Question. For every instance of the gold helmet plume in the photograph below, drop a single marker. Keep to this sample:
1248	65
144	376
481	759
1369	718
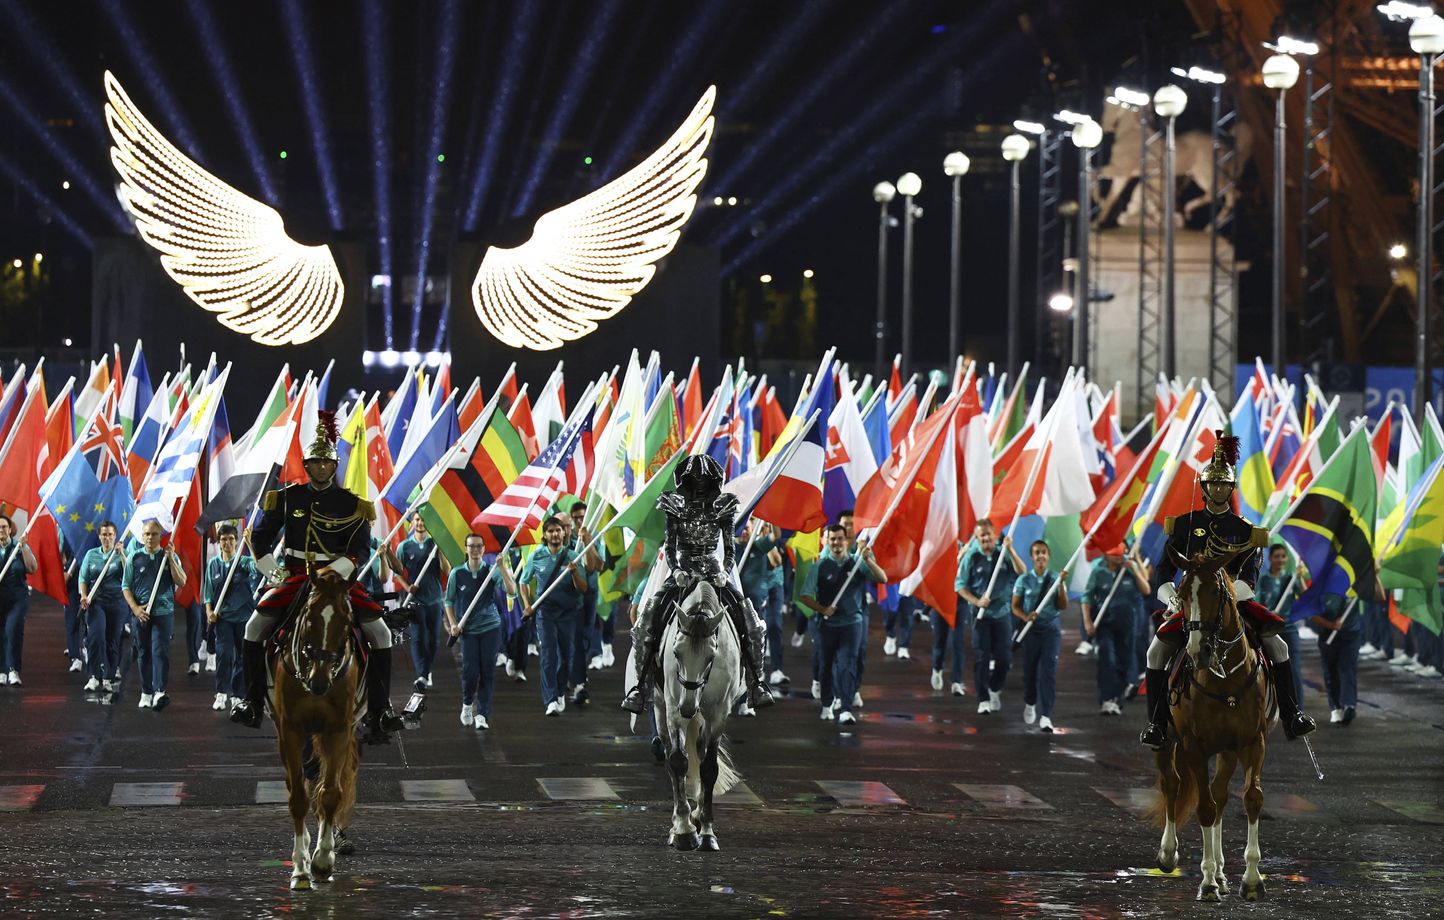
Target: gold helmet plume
323	445
1225	456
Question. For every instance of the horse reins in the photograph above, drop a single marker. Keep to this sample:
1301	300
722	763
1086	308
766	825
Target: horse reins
1212	647
340	659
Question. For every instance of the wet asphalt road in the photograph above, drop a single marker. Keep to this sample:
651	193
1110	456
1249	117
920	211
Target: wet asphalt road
922	809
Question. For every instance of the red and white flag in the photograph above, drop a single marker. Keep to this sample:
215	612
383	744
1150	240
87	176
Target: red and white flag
565	467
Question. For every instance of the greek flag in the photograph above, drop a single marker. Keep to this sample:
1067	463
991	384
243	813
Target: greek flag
170	477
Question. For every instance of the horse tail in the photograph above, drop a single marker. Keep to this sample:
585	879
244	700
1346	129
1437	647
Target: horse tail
1157	810
1186	801
728	776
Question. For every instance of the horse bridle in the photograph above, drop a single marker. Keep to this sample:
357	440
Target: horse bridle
1215	648
689	625
298	652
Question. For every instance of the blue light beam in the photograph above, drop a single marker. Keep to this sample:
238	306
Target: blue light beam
784	44
378	99
48	55
447	32
518	49
12	169
178	127
298	37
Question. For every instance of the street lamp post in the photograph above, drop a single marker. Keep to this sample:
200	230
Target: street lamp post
1086	135
908	185
1015	150
1169	102
955	165
882	193
1279	72
1426	37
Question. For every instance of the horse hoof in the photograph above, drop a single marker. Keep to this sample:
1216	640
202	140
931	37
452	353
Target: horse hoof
1208	892
710	845
1223	886
1167	862
322	875
300	883
686	842
1254	892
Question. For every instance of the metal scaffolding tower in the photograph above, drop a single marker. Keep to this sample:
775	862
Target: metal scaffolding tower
1316	194
1050	239
1150	261
1223	268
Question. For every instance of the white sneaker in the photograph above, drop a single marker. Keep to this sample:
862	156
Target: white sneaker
203	653
108	685
76	664
220	702
195	668
745	711
1431	671
846	718
553	708
1417	667
481	722
1400	660
857	700
1084	648
817	689
959	689
1045	724
1367	649
4	678
1336	715
428	680
212	664
595	664
889	647
532	650
92	685
468	714
1114	709
777	677
1307	633
561	704
146	700
1030	714
609	657
14	678
985	708
903	654
1103	709
995	700
937	680
797	640
827	713
502	661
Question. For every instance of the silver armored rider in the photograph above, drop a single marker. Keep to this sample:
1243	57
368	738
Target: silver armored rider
700	520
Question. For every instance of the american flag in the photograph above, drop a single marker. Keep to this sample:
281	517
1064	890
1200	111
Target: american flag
565	467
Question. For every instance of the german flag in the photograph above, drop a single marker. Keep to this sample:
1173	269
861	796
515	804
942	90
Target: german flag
488	458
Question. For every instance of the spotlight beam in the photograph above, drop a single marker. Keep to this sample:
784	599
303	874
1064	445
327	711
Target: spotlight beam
45	52
103	198
204	22
440	98
784	43
884	25
378	99
518	50
17	175
881	110
298	38
598	34
138	50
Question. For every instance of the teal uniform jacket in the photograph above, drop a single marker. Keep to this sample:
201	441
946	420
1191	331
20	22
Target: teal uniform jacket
1127	600
104	578
1334	607
755	573
13	584
140	571
240	597
541	569
413	556
1268	589
974	572
371	578
1029	587
825	579
461	588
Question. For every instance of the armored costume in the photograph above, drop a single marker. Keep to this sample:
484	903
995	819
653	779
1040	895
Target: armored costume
1215	530
700	519
326	527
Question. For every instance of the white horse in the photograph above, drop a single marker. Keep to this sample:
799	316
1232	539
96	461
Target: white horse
701	660
1193	160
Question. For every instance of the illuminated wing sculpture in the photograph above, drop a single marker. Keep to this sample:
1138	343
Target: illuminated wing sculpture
586	260
228	252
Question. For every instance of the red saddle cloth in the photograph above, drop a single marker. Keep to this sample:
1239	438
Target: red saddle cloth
280	597
1263	620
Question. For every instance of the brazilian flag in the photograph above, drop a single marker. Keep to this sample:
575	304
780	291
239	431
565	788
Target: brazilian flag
1331	526
1411	537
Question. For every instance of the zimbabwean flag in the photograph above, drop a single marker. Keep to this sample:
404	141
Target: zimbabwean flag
1331	526
488	458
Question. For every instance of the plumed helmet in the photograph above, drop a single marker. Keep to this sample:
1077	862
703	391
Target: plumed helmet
698	473
323	445
1225	455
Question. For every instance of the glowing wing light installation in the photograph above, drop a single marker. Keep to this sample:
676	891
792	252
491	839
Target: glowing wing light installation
586	260
228	252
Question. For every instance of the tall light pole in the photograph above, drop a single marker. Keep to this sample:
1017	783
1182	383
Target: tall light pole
1086	136
882	193
908	185
1169	102
955	165
1015	150
1279	72
1426	37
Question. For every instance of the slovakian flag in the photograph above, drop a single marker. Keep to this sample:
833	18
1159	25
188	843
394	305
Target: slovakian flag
849	463
565	467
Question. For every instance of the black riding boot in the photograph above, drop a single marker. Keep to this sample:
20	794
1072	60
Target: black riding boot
1156	734
1296	723
759	695
639	697
380	719
253	663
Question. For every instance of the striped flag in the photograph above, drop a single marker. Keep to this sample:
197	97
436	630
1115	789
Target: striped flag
175	468
488	458
564	467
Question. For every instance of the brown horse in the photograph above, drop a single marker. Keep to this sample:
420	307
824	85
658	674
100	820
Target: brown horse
315	678
1223	709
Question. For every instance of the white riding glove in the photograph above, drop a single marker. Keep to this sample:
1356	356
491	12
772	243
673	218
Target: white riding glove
1241	590
268	567
1168	593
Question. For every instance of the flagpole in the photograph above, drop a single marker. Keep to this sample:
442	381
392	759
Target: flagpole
425	566
1043	599
105	567
1108	599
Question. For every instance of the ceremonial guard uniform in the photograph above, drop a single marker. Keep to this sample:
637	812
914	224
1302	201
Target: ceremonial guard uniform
327	527
1215	529
700	518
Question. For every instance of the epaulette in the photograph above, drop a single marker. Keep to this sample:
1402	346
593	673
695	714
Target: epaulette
1258	537
1168	525
366	508
271	501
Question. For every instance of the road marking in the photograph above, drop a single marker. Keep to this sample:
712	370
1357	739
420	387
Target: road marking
436	790
577	787
145	794
271	792
19	798
1134	800
860	793
1422	812
738	795
1003	797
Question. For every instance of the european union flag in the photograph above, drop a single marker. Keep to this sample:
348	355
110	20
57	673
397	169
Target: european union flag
80	502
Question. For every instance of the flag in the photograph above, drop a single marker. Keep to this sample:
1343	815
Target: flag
257	460
149	434
174	472
932	580
60	429
1331	527
973	468
1113	511
489	456
692	399
89	399
400	413
564	467
849	462
25	464
1409	561
1061	485
413	469
549	415
793	501
1255	478
136	393
521	419
79	501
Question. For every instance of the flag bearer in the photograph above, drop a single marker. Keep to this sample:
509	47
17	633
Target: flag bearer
14	599
228	613
101	573
423	582
841	615
1110	618
1269	591
1340	657
481	635
152	601
1039	598
991	611
556	615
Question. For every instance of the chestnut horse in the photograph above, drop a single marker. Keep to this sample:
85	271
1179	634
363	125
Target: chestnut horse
1223	708
315	677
